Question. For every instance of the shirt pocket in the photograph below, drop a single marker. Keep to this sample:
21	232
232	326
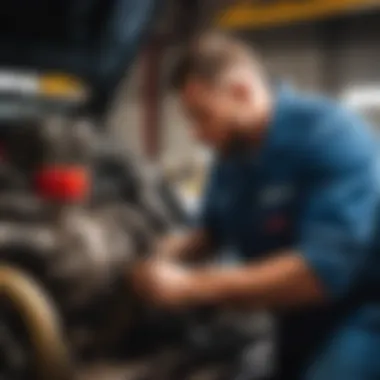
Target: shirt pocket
276	212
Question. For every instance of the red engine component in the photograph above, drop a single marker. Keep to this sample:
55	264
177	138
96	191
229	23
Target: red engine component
63	183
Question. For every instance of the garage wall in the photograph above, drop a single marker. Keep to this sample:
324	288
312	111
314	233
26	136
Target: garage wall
359	52
325	57
292	54
126	116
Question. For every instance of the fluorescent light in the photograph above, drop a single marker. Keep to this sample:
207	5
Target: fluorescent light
362	97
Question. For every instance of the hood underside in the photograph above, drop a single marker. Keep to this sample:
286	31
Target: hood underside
94	40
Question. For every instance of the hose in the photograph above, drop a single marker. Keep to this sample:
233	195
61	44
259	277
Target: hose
42	323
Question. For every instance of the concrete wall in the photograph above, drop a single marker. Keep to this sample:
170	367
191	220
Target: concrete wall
126	115
326	56
127	118
292	54
358	57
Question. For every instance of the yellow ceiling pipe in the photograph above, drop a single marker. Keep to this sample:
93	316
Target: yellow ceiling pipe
250	15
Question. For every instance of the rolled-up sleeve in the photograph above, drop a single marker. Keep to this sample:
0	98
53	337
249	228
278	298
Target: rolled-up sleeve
337	223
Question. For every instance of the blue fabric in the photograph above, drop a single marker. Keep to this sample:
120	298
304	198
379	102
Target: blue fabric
352	351
313	186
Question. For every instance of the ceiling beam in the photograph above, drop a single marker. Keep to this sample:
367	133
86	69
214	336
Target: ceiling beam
263	14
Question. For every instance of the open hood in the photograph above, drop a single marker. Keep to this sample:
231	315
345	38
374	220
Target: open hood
93	40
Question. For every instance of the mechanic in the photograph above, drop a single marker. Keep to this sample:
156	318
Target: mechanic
294	191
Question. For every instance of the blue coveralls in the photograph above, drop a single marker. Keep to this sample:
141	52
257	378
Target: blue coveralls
312	186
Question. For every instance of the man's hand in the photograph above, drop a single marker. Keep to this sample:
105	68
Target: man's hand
189	246
163	283
163	280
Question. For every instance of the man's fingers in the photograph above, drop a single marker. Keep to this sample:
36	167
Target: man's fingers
160	283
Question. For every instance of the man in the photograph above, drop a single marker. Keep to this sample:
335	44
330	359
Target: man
294	192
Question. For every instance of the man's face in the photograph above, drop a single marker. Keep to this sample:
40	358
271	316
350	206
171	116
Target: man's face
214	111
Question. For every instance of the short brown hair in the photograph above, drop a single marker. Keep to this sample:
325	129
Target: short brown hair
208	55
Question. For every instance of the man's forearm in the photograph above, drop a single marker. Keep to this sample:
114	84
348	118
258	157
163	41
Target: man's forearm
281	281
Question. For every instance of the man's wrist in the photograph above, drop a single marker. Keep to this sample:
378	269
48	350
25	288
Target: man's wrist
212	286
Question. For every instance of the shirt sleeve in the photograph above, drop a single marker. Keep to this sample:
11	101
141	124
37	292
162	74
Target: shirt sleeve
337	224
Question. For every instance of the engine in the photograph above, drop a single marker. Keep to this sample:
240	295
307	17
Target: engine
75	214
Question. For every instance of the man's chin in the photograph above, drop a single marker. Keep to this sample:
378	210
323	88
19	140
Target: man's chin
230	146
234	145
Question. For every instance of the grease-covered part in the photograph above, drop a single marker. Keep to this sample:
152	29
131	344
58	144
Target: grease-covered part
94	247
23	207
53	140
81	259
120	175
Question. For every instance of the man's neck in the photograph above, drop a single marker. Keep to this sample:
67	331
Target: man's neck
242	143
250	135
256	131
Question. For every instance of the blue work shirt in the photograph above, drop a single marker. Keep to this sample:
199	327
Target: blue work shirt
312	186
